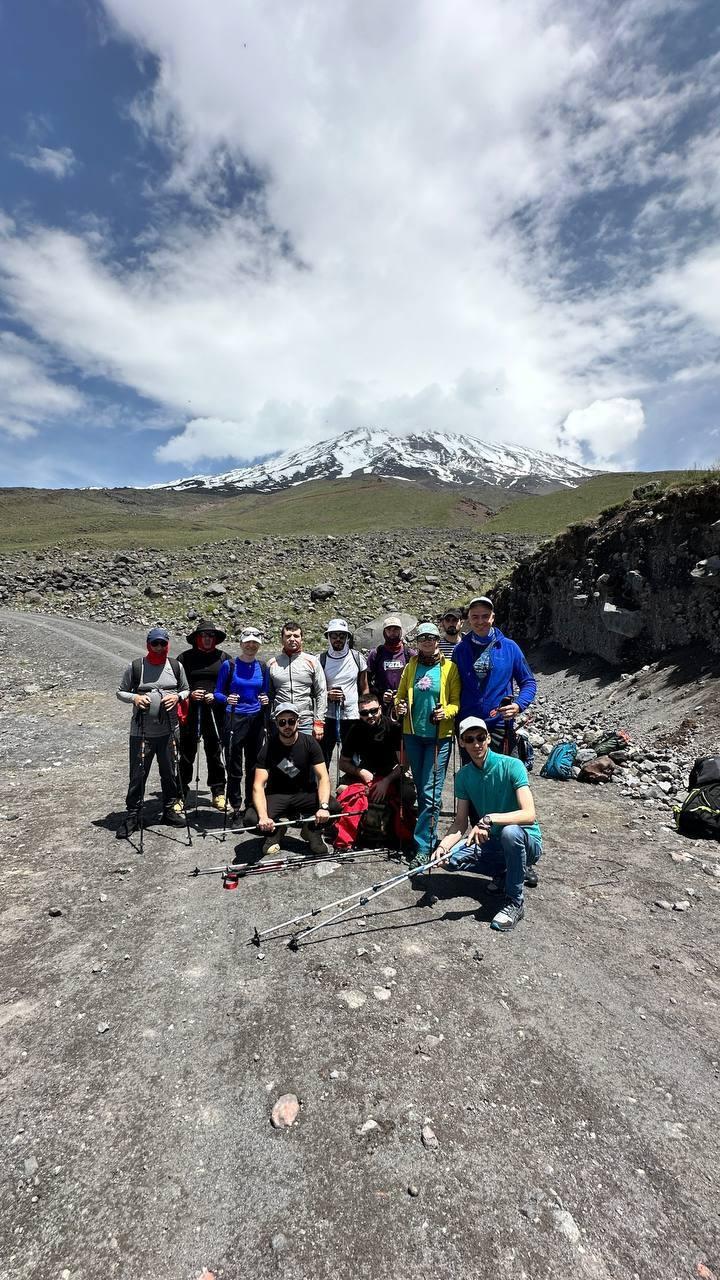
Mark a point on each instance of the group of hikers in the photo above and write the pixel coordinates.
(270, 727)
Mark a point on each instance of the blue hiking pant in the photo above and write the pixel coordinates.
(508, 853)
(420, 754)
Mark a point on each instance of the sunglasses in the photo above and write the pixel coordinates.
(469, 739)
(157, 644)
(285, 722)
(207, 635)
(369, 711)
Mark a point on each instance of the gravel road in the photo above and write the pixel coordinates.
(569, 1072)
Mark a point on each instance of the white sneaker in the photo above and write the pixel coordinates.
(271, 844)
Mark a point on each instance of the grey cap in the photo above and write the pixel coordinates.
(285, 706)
(480, 600)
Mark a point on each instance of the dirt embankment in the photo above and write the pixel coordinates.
(639, 581)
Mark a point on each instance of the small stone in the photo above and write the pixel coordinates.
(413, 1190)
(703, 1272)
(382, 993)
(102, 1027)
(31, 1167)
(429, 1138)
(683, 905)
(663, 904)
(367, 1127)
(566, 1225)
(353, 999)
(326, 869)
(334, 1075)
(103, 897)
(279, 1242)
(285, 1112)
(54, 911)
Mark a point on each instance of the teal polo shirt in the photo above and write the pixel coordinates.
(492, 789)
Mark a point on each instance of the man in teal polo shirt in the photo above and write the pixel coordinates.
(506, 842)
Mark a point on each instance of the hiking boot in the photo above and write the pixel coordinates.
(532, 878)
(313, 837)
(174, 815)
(271, 844)
(419, 860)
(219, 802)
(506, 919)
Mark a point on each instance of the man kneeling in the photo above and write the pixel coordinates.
(291, 781)
(506, 842)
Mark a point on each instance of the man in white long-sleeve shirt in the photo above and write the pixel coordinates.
(154, 685)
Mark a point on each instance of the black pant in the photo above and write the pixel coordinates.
(300, 805)
(164, 749)
(243, 738)
(335, 731)
(211, 719)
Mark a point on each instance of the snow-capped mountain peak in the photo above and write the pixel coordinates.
(443, 457)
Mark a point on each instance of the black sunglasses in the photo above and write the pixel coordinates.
(369, 711)
(157, 644)
(470, 739)
(283, 721)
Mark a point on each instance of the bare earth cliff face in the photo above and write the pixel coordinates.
(637, 582)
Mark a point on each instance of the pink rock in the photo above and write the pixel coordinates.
(285, 1112)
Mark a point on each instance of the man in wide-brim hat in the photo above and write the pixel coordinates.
(202, 662)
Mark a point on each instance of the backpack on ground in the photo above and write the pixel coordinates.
(559, 763)
(705, 770)
(525, 749)
(601, 769)
(615, 740)
(699, 813)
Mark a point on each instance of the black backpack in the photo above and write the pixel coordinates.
(699, 813)
(705, 769)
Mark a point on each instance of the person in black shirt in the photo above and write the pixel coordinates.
(202, 663)
(291, 781)
(371, 753)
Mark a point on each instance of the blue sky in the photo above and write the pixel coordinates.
(229, 229)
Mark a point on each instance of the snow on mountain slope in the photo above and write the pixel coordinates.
(440, 456)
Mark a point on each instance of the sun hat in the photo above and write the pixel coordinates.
(337, 624)
(392, 621)
(204, 625)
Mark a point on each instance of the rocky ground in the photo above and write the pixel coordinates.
(542, 1104)
(264, 581)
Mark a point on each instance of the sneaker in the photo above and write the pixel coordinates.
(313, 837)
(174, 815)
(506, 919)
(419, 860)
(219, 802)
(531, 878)
(271, 844)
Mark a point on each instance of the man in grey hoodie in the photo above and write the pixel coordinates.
(296, 677)
(154, 685)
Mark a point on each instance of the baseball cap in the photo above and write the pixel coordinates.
(481, 600)
(285, 707)
(452, 612)
(392, 621)
(471, 722)
(158, 633)
(427, 629)
(337, 624)
(250, 633)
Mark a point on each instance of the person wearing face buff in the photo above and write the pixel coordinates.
(427, 699)
(491, 666)
(154, 685)
(202, 663)
(242, 690)
(387, 661)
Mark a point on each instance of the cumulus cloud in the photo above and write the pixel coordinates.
(31, 396)
(58, 162)
(396, 257)
(603, 434)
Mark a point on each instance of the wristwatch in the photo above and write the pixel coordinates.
(324, 806)
(486, 821)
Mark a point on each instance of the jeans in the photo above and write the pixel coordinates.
(511, 851)
(420, 754)
(164, 750)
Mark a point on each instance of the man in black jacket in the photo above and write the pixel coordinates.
(205, 716)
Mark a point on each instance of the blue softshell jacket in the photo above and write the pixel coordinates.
(509, 669)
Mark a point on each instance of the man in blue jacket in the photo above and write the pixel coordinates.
(491, 666)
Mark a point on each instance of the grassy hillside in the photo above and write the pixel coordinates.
(548, 515)
(34, 518)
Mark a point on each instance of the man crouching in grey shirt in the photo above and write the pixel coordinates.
(154, 684)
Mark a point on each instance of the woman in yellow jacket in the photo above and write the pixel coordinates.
(428, 698)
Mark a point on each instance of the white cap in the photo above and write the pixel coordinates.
(251, 633)
(337, 624)
(471, 722)
(392, 621)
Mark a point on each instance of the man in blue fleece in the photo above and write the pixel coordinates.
(491, 666)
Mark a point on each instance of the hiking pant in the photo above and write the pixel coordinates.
(300, 804)
(210, 718)
(243, 738)
(336, 731)
(508, 853)
(164, 750)
(429, 778)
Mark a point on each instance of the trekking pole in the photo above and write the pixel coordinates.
(228, 763)
(288, 863)
(454, 770)
(365, 896)
(141, 823)
(434, 811)
(198, 711)
(176, 757)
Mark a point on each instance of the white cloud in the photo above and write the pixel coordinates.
(378, 277)
(30, 395)
(603, 434)
(58, 162)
